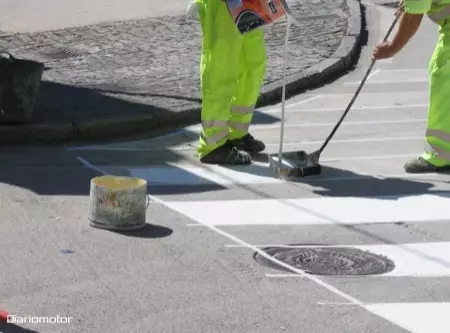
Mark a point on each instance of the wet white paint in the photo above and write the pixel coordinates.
(318, 211)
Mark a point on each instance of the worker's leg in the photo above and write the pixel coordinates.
(219, 76)
(253, 70)
(437, 142)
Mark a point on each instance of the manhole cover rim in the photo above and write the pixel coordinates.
(378, 264)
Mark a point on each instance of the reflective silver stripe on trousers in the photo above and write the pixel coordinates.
(239, 126)
(436, 17)
(435, 150)
(212, 140)
(438, 134)
(214, 123)
(242, 109)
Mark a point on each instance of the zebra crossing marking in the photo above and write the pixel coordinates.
(318, 211)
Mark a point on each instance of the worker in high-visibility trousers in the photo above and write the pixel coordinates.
(436, 156)
(232, 68)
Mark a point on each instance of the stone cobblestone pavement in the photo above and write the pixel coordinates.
(148, 69)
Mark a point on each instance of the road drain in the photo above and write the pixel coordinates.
(327, 260)
(62, 53)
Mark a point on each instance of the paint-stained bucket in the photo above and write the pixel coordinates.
(118, 203)
(252, 14)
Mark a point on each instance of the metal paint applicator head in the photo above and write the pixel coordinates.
(296, 164)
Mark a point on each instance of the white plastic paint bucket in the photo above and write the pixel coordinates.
(252, 14)
(118, 203)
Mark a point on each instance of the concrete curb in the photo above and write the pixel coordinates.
(113, 128)
(329, 69)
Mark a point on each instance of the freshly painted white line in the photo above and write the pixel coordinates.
(385, 61)
(375, 72)
(393, 70)
(357, 140)
(276, 144)
(318, 211)
(283, 275)
(415, 259)
(348, 123)
(184, 174)
(165, 136)
(397, 77)
(387, 81)
(267, 245)
(313, 98)
(262, 246)
(358, 109)
(105, 148)
(415, 317)
(237, 240)
(366, 99)
(364, 158)
(334, 303)
(317, 179)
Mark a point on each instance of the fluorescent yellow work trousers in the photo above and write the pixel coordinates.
(232, 69)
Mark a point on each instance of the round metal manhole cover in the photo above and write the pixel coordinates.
(327, 260)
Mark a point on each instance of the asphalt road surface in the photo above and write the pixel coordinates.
(193, 268)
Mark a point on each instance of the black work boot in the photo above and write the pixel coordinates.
(249, 144)
(227, 154)
(420, 165)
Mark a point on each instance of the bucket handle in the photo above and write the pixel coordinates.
(148, 198)
(11, 57)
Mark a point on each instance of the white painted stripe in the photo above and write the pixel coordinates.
(415, 317)
(106, 148)
(165, 136)
(357, 140)
(415, 259)
(375, 72)
(283, 245)
(405, 95)
(284, 276)
(388, 81)
(404, 70)
(403, 76)
(385, 61)
(368, 158)
(185, 174)
(318, 211)
(313, 98)
(268, 144)
(188, 175)
(358, 109)
(366, 100)
(348, 123)
(319, 179)
(335, 303)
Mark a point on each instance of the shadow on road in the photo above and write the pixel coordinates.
(48, 169)
(149, 231)
(335, 182)
(11, 328)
